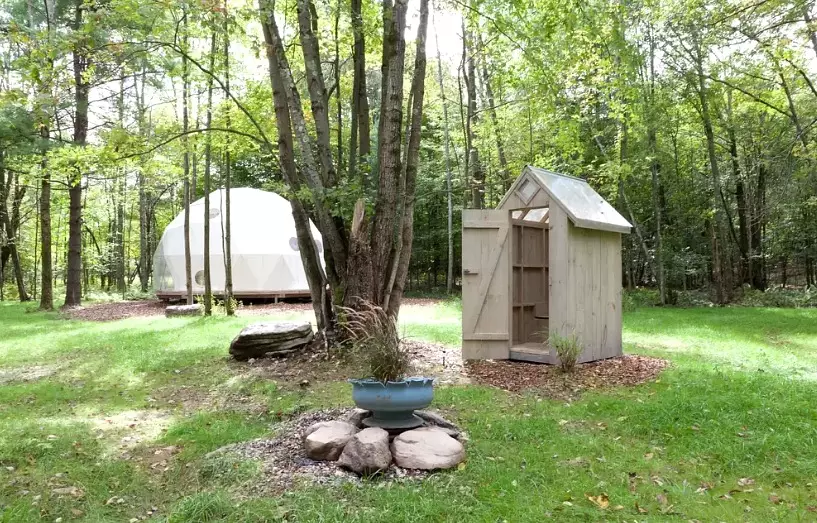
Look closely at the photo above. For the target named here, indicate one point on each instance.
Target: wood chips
(550, 381)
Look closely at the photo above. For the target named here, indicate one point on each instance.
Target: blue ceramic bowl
(393, 403)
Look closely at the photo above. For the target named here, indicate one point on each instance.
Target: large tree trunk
(208, 285)
(391, 122)
(73, 286)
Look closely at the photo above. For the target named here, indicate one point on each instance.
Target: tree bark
(394, 296)
(475, 172)
(449, 281)
(208, 284)
(81, 61)
(720, 274)
(12, 229)
(655, 175)
(504, 173)
(391, 117)
(227, 232)
(307, 18)
(359, 141)
(188, 270)
(321, 301)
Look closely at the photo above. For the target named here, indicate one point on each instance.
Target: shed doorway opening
(530, 265)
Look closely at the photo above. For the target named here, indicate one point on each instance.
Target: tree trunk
(73, 286)
(475, 172)
(391, 117)
(321, 301)
(188, 270)
(316, 87)
(359, 141)
(655, 174)
(208, 285)
(227, 250)
(394, 296)
(721, 276)
(504, 173)
(449, 281)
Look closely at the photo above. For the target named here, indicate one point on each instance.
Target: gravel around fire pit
(284, 462)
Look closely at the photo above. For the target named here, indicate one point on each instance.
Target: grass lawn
(115, 419)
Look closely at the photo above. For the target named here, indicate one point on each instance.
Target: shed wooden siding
(586, 286)
(486, 267)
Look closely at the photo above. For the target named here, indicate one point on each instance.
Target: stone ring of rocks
(332, 446)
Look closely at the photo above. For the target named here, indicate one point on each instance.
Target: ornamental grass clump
(374, 337)
(568, 348)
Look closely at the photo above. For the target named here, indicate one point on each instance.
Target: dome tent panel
(261, 229)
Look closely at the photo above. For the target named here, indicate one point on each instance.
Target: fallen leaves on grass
(745, 482)
(627, 370)
(602, 501)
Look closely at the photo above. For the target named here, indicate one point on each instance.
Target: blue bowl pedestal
(393, 403)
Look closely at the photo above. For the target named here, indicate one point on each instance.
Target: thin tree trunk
(321, 302)
(449, 281)
(73, 287)
(307, 22)
(504, 173)
(47, 276)
(655, 173)
(188, 266)
(359, 140)
(228, 250)
(720, 273)
(208, 285)
(394, 296)
(475, 171)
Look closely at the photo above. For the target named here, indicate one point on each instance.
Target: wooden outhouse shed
(547, 259)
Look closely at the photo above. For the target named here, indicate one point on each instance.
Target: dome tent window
(199, 278)
(214, 212)
(293, 242)
(263, 260)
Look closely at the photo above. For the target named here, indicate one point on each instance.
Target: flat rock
(367, 452)
(325, 441)
(427, 448)
(184, 310)
(277, 338)
(433, 419)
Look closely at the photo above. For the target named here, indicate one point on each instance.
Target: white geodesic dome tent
(265, 255)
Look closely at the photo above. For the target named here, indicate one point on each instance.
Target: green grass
(738, 402)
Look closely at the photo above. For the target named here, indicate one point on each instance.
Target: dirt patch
(284, 463)
(32, 373)
(627, 370)
(441, 362)
(117, 310)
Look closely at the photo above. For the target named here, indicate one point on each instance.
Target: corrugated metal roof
(585, 207)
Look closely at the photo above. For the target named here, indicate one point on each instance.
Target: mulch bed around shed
(514, 376)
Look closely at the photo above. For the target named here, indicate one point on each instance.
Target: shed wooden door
(486, 302)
